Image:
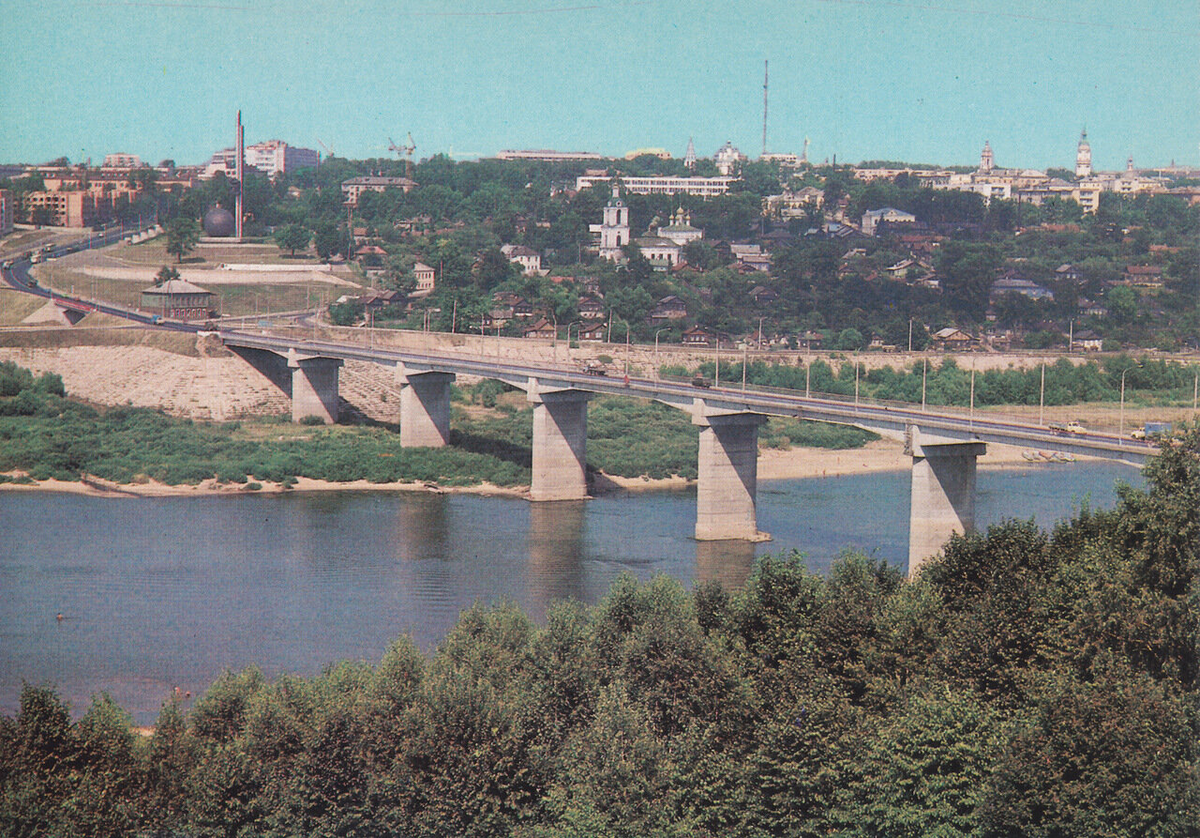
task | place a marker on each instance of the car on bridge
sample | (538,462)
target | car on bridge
(1076,428)
(595,368)
(702,382)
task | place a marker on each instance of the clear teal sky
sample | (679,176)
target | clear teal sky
(918,80)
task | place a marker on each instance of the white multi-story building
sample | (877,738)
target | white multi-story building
(353,188)
(529,260)
(705,187)
(121,160)
(548,155)
(271,158)
(613,233)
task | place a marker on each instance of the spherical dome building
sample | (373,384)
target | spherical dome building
(218,223)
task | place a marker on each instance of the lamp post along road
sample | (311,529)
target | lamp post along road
(1042,397)
(656,334)
(1121,421)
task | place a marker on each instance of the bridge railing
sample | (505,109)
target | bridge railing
(848,400)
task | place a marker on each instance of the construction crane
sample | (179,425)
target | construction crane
(328,150)
(407,151)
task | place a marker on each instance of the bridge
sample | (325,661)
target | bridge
(944,446)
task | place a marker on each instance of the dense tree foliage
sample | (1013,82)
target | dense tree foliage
(1025,683)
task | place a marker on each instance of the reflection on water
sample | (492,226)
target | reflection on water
(555,547)
(727,562)
(166,592)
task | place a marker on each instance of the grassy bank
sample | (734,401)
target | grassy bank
(48,436)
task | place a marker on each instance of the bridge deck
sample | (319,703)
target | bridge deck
(888,419)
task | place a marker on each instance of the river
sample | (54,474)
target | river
(159,593)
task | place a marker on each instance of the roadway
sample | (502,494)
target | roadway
(891,419)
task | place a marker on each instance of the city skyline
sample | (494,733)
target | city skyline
(919,82)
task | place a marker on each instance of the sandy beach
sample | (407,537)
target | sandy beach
(773,464)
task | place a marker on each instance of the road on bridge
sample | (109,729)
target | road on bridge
(889,418)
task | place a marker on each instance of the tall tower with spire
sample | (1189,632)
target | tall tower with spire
(1083,157)
(614,231)
(689,157)
(987,161)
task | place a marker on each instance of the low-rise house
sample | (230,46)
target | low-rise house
(529,260)
(952,338)
(590,308)
(661,253)
(763,295)
(1088,341)
(668,308)
(872,219)
(179,299)
(424,276)
(809,340)
(702,336)
(899,270)
(1146,276)
(751,256)
(592,332)
(1067,272)
(543,328)
(1011,283)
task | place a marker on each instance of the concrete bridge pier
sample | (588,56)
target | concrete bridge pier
(424,408)
(559,444)
(727,476)
(943,494)
(314,387)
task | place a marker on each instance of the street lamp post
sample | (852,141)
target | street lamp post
(924,375)
(856,384)
(1121,421)
(1042,397)
(910,322)
(656,334)
(569,325)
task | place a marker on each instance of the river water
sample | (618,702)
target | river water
(159,593)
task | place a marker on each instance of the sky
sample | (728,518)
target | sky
(924,81)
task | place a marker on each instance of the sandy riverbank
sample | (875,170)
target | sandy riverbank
(773,464)
(95,487)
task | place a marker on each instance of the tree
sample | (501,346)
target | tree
(1122,304)
(850,339)
(183,233)
(165,274)
(293,237)
(326,240)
